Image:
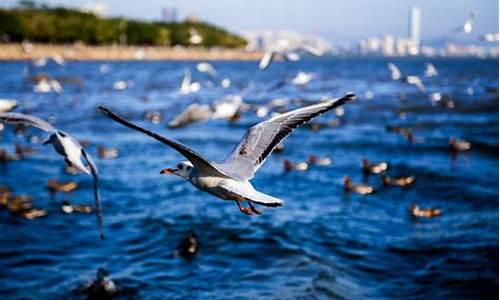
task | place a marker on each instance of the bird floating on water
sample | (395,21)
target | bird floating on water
(416,211)
(457,145)
(69,208)
(107,153)
(300,166)
(319,161)
(398,181)
(288,54)
(102,287)
(229,179)
(362,189)
(188,247)
(374,168)
(68,147)
(55,186)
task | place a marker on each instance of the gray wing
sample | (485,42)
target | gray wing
(261,139)
(97,197)
(202,164)
(17,118)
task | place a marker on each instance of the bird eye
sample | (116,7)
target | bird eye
(188,167)
(179,166)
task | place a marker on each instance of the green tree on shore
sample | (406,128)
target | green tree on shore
(42,24)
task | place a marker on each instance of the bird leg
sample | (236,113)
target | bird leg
(253,209)
(245,210)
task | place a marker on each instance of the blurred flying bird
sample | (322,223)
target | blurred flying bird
(7,105)
(467,26)
(229,179)
(47,85)
(302,78)
(489,37)
(226,108)
(416,81)
(205,67)
(65,145)
(430,70)
(194,37)
(187,86)
(395,72)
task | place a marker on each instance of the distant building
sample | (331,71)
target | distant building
(388,45)
(169,14)
(282,39)
(414,30)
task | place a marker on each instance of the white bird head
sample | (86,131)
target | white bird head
(183,169)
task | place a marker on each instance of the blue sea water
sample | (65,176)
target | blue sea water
(321,244)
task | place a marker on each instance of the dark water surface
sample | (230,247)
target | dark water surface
(321,244)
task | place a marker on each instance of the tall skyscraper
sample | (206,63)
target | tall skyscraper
(414,28)
(169,14)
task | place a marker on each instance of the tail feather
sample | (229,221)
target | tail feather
(265,200)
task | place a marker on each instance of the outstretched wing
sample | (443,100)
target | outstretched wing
(261,139)
(27,120)
(97,197)
(202,164)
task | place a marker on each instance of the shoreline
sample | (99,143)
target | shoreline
(79,52)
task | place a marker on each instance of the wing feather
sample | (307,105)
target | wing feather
(97,197)
(203,165)
(261,139)
(18,118)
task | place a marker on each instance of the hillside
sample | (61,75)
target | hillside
(63,25)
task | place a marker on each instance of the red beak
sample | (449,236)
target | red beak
(168,171)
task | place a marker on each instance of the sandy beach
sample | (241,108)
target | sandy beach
(114,52)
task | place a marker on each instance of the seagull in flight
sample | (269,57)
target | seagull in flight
(68,147)
(230,179)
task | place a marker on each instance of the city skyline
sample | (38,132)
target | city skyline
(339,22)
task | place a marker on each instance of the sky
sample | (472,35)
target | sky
(337,20)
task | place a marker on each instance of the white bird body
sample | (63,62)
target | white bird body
(302,78)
